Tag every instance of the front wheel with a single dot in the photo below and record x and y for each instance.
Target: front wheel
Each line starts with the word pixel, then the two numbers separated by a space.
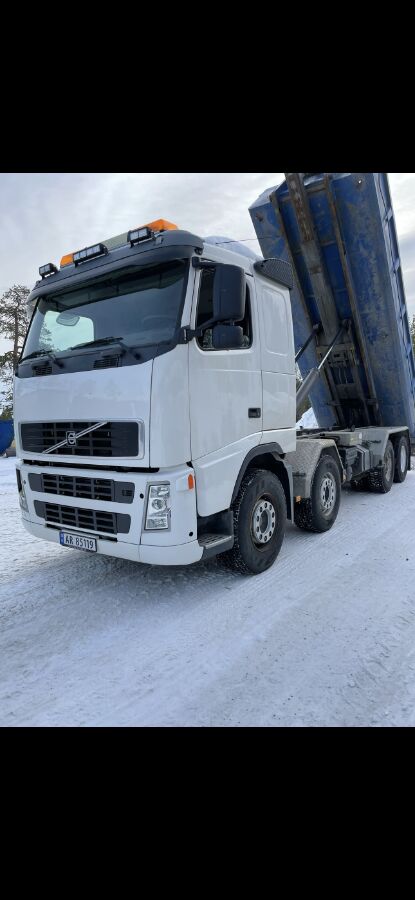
pixel 259 518
pixel 319 512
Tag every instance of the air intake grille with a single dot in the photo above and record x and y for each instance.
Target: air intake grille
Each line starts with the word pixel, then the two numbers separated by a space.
pixel 45 369
pixel 85 519
pixel 112 439
pixel 88 488
pixel 106 362
pixel 278 270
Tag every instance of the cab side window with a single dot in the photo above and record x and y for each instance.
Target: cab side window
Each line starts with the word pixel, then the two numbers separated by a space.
pixel 205 312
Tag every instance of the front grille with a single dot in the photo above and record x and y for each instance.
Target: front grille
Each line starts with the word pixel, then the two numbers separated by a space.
pixel 88 488
pixel 85 519
pixel 112 439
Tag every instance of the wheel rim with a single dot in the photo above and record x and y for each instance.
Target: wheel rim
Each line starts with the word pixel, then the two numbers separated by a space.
pixel 389 466
pixel 328 494
pixel 403 458
pixel 264 520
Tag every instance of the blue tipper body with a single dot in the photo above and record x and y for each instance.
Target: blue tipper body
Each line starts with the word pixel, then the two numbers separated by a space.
pixel 6 434
pixel 354 235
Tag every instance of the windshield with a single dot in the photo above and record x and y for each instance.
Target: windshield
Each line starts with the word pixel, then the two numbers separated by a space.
pixel 139 308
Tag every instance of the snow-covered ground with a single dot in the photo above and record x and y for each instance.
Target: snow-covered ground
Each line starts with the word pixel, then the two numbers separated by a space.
pixel 325 637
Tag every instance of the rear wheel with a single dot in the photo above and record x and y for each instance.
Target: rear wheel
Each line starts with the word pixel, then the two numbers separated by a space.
pixel 401 460
pixel 259 516
pixel 319 513
pixel 381 480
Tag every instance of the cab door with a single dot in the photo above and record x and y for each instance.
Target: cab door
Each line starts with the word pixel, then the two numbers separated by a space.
pixel 225 385
pixel 277 358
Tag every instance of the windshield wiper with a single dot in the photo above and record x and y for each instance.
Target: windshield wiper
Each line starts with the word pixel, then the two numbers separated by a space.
pixel 37 353
pixel 102 341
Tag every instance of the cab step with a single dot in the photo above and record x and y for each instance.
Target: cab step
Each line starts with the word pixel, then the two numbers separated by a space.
pixel 215 543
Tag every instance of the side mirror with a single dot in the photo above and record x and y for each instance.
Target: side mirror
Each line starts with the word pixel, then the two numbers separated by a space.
pixel 227 337
pixel 228 293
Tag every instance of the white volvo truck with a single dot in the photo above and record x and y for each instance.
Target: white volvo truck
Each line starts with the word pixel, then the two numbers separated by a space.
pixel 155 408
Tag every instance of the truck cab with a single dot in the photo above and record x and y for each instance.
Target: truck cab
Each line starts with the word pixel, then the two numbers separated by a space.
pixel 158 370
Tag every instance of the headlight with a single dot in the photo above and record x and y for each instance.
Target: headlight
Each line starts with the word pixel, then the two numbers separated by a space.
pixel 22 495
pixel 23 501
pixel 158 507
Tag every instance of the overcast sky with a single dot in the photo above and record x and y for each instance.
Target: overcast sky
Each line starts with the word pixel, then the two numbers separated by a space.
pixel 43 216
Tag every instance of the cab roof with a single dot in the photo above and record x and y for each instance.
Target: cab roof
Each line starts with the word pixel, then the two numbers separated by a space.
pixel 121 253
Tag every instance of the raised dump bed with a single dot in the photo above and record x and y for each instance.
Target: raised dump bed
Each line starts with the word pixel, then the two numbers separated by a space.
pixel 339 233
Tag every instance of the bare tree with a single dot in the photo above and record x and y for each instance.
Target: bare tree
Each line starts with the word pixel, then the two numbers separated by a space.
pixel 13 327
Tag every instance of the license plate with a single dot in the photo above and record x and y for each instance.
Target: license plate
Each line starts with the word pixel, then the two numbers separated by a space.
pixel 78 542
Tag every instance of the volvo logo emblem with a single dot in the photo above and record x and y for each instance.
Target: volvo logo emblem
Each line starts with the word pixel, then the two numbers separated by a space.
pixel 71 439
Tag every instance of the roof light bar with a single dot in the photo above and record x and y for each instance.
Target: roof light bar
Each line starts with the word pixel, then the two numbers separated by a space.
pixel 67 260
pixel 146 232
pixel 89 253
pixel 140 234
pixel 162 225
pixel 48 269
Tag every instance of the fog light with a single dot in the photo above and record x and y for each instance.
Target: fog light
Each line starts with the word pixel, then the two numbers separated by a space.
pixel 136 235
pixel 153 524
pixel 89 253
pixel 48 269
pixel 158 507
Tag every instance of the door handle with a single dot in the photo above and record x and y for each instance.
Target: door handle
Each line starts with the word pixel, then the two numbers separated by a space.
pixel 254 412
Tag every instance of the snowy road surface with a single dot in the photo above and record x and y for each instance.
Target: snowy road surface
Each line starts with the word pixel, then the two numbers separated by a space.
pixel 325 637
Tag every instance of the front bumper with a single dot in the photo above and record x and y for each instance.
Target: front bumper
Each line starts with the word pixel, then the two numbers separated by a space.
pixel 177 546
pixel 175 555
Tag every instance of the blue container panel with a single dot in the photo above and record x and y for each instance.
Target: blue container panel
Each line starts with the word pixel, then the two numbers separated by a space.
pixel 273 243
pixel 6 434
pixel 324 228
pixel 365 211
pixel 367 227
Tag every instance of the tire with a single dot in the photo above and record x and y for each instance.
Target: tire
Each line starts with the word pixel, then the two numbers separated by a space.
pixel 401 459
pixel 361 485
pixel 319 513
pixel 260 505
pixel 381 480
